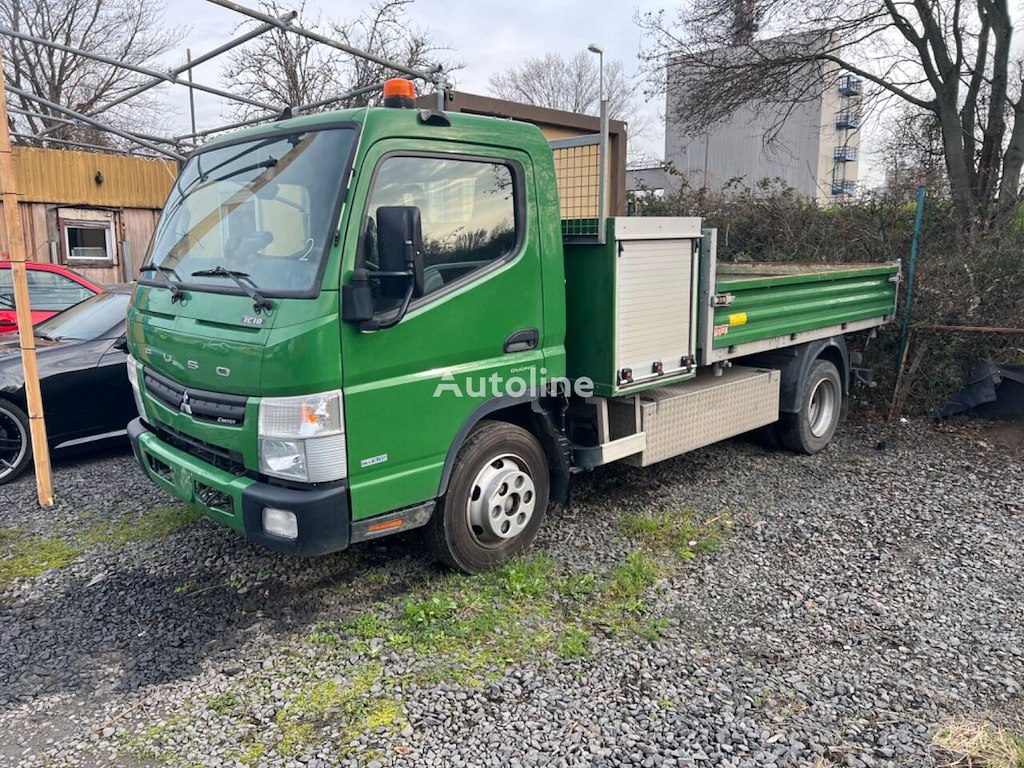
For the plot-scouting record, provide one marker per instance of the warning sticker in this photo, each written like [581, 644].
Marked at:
[721, 330]
[739, 318]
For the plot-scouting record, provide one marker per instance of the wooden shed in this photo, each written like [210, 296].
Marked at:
[90, 211]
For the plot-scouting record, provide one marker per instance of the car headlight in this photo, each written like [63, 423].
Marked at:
[133, 378]
[303, 438]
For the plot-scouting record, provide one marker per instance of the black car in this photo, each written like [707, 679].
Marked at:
[86, 393]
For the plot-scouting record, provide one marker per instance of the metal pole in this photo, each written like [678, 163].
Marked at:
[192, 63]
[602, 184]
[97, 124]
[67, 143]
[273, 115]
[340, 97]
[16, 246]
[232, 6]
[911, 271]
[131, 67]
[191, 92]
[707, 150]
[65, 121]
[233, 43]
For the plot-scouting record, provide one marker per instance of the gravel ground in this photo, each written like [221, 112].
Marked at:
[864, 598]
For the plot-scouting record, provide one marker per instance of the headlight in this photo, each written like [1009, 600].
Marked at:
[303, 438]
[133, 378]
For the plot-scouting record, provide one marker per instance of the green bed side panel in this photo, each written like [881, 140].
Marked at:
[799, 298]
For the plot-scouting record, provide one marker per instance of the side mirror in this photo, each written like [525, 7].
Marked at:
[399, 250]
[357, 298]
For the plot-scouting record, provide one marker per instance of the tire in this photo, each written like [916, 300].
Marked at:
[496, 499]
[15, 442]
[811, 428]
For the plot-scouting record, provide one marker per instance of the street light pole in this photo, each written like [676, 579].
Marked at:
[602, 186]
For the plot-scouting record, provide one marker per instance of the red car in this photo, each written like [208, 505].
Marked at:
[51, 289]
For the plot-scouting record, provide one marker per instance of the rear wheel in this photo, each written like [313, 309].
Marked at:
[811, 428]
[15, 445]
[495, 501]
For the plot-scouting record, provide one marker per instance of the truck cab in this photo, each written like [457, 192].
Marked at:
[258, 402]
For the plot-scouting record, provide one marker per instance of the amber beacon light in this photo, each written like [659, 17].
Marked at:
[399, 92]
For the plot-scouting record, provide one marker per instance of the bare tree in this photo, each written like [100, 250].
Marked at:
[949, 58]
[130, 31]
[570, 84]
[280, 67]
[385, 30]
[912, 154]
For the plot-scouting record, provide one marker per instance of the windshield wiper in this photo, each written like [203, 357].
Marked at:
[243, 281]
[176, 293]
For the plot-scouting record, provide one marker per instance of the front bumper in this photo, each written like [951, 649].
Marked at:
[324, 519]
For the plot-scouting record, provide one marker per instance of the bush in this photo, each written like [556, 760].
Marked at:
[977, 281]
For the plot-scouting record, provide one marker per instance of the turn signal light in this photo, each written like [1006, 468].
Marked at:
[386, 526]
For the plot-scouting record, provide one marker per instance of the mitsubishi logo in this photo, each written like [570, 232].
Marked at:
[185, 406]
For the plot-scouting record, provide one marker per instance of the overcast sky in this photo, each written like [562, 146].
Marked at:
[489, 37]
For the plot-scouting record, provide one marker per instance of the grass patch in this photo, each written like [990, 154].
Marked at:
[621, 602]
[678, 532]
[27, 556]
[224, 703]
[156, 524]
[574, 644]
[653, 629]
[980, 744]
[579, 586]
[335, 703]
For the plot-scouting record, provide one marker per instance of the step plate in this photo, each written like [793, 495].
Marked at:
[681, 417]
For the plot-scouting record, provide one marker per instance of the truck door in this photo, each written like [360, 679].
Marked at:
[410, 389]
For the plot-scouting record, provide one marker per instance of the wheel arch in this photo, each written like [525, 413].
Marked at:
[794, 362]
[537, 417]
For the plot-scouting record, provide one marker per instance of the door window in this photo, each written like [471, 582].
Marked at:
[467, 209]
[47, 291]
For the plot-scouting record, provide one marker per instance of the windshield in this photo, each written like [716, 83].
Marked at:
[100, 317]
[264, 208]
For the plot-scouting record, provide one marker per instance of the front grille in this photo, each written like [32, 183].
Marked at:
[214, 499]
[161, 469]
[221, 458]
[210, 407]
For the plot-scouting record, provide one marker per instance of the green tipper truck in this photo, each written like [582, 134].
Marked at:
[358, 323]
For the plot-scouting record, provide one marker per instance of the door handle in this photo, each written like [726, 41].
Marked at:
[522, 341]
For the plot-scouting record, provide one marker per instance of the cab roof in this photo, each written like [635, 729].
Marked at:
[382, 122]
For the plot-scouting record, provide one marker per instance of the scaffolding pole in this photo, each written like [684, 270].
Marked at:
[174, 79]
[436, 77]
[274, 115]
[70, 143]
[39, 136]
[97, 124]
[16, 246]
[191, 63]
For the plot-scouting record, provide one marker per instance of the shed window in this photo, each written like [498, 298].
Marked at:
[87, 237]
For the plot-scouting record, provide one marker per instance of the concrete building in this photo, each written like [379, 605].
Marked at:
[816, 150]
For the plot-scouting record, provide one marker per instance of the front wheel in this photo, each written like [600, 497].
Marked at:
[15, 445]
[495, 501]
[811, 428]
